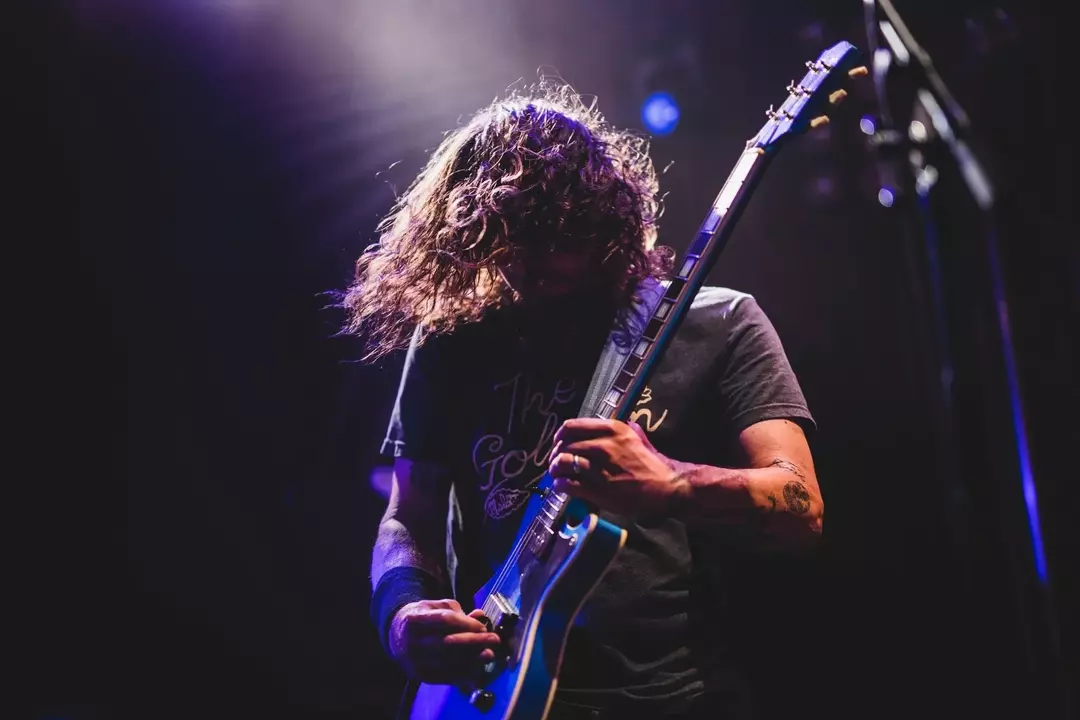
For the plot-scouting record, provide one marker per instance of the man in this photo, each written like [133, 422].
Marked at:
[500, 273]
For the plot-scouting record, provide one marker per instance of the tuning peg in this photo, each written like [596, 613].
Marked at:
[794, 89]
[838, 96]
[770, 113]
[819, 121]
[813, 66]
[858, 72]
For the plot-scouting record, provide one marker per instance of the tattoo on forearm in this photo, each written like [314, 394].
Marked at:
[797, 498]
[796, 495]
[789, 467]
[772, 501]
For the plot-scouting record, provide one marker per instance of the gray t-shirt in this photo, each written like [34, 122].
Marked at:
[485, 402]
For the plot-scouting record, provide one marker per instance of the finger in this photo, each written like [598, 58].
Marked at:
[470, 639]
[592, 448]
[479, 615]
[444, 621]
[580, 428]
[563, 466]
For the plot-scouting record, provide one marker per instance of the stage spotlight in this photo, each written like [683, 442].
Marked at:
[885, 196]
[660, 113]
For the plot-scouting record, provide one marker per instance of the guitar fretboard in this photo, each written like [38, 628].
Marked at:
[680, 291]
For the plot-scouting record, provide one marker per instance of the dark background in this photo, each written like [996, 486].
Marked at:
[205, 447]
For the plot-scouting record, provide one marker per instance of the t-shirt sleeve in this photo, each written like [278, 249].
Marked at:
[418, 428]
[757, 382]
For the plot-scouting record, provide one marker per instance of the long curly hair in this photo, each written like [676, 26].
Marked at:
[540, 168]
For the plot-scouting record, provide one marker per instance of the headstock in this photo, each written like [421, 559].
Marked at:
[809, 102]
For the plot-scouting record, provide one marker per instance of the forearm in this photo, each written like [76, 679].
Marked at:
[405, 569]
[782, 500]
[403, 544]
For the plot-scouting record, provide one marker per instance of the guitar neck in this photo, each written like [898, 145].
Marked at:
[668, 313]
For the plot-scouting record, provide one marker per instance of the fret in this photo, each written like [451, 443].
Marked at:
[675, 288]
[614, 395]
[606, 411]
[642, 347]
[708, 228]
[687, 266]
[663, 309]
[652, 330]
[701, 242]
[623, 381]
[632, 364]
[555, 501]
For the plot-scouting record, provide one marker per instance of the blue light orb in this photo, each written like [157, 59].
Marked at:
[660, 113]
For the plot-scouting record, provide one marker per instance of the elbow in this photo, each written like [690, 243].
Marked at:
[805, 514]
[808, 531]
[796, 532]
[814, 524]
[809, 523]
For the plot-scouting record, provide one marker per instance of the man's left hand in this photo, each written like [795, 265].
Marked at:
[613, 465]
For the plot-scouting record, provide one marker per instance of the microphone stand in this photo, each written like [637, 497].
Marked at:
[924, 143]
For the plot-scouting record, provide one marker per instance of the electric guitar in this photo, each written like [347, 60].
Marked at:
[562, 550]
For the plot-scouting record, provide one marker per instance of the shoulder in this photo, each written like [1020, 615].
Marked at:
[716, 318]
[721, 310]
[720, 301]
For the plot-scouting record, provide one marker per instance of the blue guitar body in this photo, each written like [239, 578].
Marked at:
[542, 595]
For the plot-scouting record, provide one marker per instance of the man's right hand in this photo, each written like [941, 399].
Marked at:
[436, 642]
